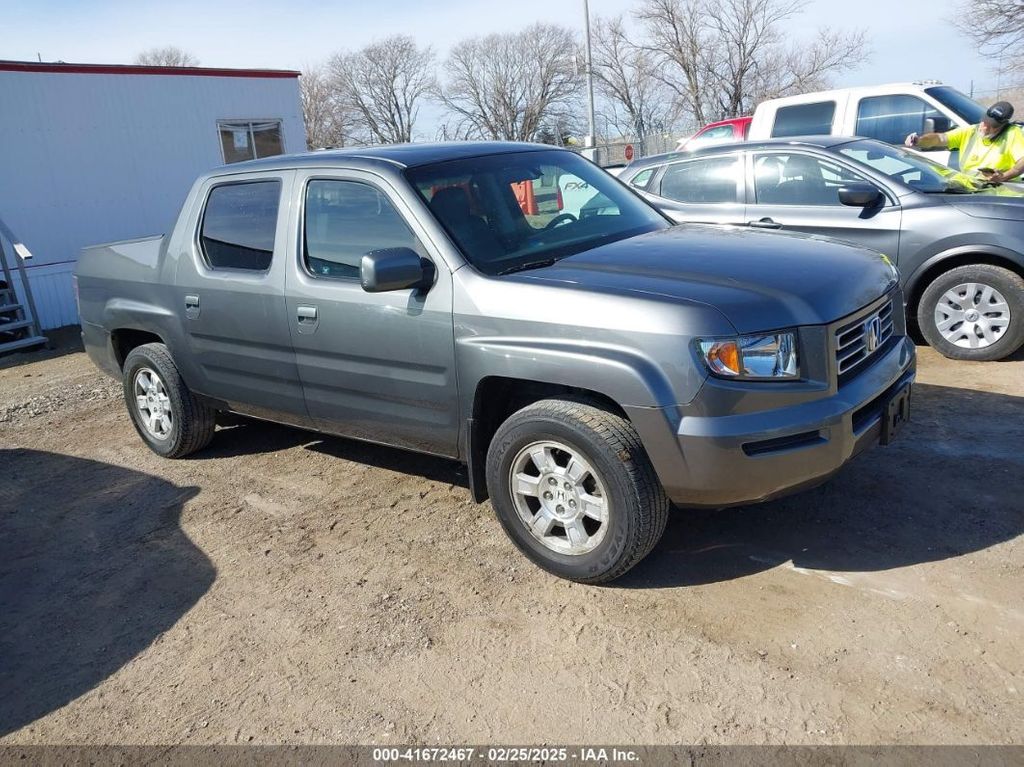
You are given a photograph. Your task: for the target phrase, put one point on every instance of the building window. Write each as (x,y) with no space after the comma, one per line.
(250,140)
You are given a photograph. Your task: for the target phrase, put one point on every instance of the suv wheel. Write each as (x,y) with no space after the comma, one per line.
(165,413)
(575,491)
(974,312)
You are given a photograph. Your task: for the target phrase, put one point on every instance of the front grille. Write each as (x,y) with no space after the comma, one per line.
(859,340)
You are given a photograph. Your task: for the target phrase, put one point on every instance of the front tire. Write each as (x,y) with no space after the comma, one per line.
(575,491)
(973,312)
(165,413)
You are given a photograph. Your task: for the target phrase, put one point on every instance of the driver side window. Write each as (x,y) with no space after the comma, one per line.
(799,179)
(891,118)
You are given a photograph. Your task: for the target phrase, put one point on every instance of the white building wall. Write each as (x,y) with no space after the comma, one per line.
(92,158)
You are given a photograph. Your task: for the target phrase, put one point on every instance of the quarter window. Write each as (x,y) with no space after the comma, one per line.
(250,140)
(711,180)
(239,225)
(642,179)
(892,118)
(805,119)
(344,220)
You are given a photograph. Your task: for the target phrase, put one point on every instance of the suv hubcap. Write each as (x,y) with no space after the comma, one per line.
(152,403)
(972,315)
(559,497)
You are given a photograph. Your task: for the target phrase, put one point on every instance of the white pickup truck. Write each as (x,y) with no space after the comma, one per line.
(885,112)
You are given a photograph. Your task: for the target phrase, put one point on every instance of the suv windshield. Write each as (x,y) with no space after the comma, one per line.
(520,210)
(910,168)
(969,109)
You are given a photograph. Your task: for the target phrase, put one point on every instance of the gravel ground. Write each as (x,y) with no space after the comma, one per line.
(283,587)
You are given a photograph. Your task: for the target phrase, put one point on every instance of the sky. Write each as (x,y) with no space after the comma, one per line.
(910,39)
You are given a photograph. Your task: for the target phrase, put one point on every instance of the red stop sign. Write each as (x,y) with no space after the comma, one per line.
(629,153)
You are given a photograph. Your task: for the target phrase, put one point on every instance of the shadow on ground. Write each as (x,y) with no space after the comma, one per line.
(238,435)
(952,484)
(86,584)
(61,341)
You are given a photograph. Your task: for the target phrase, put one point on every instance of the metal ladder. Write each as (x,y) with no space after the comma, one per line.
(19,326)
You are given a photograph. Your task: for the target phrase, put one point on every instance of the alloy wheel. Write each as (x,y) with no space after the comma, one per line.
(559,497)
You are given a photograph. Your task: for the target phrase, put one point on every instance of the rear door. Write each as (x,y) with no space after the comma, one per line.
(798,191)
(702,190)
(229,288)
(375,366)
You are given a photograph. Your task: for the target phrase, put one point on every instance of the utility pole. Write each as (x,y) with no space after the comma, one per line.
(592,140)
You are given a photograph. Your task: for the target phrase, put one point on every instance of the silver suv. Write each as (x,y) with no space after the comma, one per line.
(515,308)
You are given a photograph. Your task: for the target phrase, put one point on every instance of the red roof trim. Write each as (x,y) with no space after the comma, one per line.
(132,69)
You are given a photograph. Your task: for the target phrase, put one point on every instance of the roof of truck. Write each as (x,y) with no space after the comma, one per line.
(401,155)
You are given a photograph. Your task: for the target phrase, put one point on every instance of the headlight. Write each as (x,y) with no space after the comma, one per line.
(770,356)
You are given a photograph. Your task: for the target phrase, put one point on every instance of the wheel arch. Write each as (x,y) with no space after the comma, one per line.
(497,397)
(123,340)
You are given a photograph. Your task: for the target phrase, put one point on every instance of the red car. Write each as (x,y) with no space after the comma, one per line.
(721,132)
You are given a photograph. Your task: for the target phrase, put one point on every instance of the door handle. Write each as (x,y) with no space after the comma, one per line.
(765,223)
(192,307)
(308,318)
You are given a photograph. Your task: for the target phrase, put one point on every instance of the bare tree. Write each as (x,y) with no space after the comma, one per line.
(383,86)
(634,99)
(168,56)
(997,26)
(327,119)
(509,86)
(721,59)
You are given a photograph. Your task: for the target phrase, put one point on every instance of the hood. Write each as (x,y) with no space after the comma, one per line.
(758,280)
(1002,202)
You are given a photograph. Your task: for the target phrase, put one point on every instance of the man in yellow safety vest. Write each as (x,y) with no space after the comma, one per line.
(993,148)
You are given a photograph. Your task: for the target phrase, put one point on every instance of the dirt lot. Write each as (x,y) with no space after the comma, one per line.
(283,587)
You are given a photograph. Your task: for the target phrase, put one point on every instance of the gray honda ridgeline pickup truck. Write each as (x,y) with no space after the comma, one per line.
(516,308)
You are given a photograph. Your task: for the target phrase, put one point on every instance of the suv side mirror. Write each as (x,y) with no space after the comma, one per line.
(394,269)
(859,195)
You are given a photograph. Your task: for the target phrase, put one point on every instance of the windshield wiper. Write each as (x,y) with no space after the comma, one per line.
(540,262)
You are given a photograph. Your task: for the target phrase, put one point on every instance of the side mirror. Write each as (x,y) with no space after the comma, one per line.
(394,269)
(859,195)
(936,124)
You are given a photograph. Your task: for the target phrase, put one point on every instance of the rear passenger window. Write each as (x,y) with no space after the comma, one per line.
(239,224)
(714,180)
(344,220)
(804,119)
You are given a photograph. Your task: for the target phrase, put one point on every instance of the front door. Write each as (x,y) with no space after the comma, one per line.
(376,366)
(797,191)
(229,287)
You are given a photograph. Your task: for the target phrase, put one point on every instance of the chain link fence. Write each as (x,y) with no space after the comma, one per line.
(607,155)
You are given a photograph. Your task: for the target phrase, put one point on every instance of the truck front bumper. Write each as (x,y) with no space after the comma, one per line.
(727,460)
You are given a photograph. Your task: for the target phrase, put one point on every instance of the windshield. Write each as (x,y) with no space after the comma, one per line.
(911,169)
(960,103)
(519,210)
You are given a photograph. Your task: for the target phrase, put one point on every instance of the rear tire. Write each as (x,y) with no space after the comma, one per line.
(575,491)
(973,312)
(165,413)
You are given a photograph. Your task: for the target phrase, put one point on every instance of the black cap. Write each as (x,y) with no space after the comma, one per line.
(999,114)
